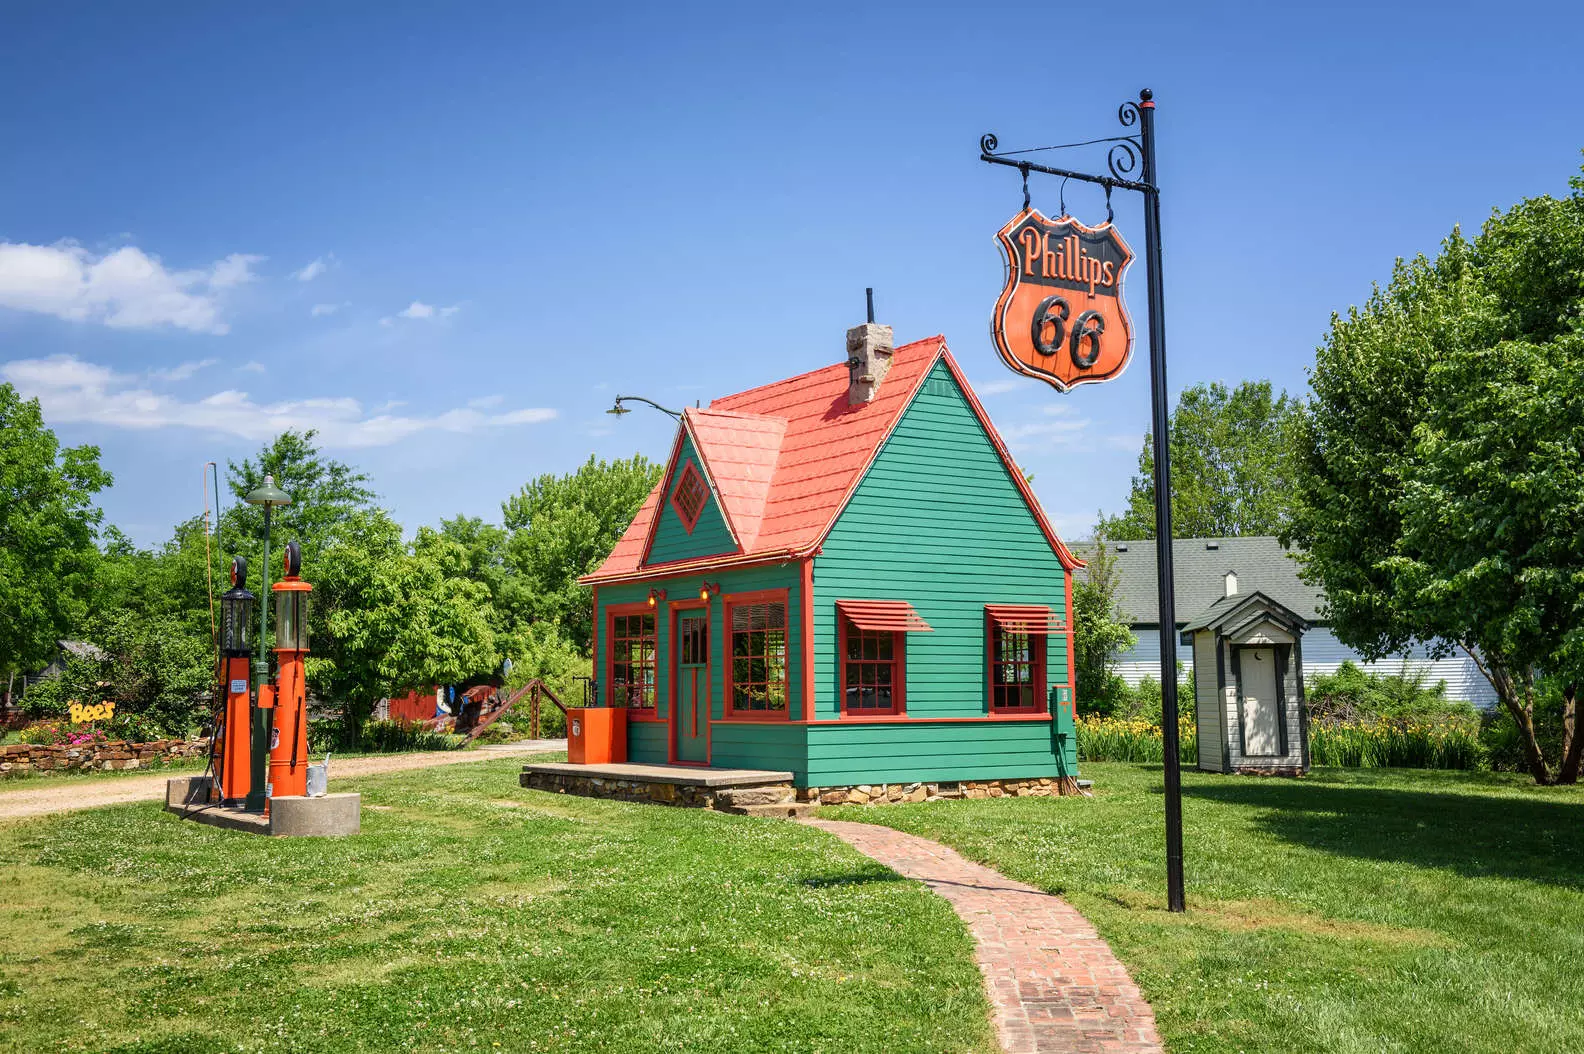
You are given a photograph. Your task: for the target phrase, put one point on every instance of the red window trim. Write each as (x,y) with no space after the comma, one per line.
(1038,675)
(638,713)
(898,664)
(734,600)
(690,473)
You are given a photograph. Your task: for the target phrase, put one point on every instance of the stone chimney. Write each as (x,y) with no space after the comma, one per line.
(869,350)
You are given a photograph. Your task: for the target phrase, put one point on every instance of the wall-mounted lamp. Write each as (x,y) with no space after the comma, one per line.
(655,596)
(618,409)
(708,590)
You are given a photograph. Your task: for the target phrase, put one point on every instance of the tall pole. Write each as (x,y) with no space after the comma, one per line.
(1166,597)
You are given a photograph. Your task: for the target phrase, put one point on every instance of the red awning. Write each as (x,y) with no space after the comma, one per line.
(882,616)
(1034,619)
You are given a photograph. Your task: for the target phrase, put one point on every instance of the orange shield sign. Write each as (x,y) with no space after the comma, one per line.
(1060,317)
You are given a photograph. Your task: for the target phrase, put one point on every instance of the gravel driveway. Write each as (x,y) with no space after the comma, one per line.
(68,795)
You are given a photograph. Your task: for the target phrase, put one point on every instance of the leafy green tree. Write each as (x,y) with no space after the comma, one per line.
(1441,461)
(471,548)
(47,529)
(1231,466)
(1099,632)
(397,618)
(153,670)
(325,494)
(561,527)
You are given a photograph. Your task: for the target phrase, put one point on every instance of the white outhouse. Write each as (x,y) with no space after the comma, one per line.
(1248,685)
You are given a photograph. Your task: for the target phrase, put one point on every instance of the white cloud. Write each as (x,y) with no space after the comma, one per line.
(251,367)
(320,310)
(420,310)
(311,271)
(1060,427)
(181,371)
(235,269)
(125,288)
(1000,387)
(484,402)
(72,390)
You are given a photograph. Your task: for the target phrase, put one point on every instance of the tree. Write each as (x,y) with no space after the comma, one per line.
(1441,461)
(47,529)
(396,618)
(1231,466)
(473,549)
(1099,632)
(325,494)
(562,527)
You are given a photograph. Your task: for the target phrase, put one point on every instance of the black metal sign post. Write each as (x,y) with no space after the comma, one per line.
(1126,153)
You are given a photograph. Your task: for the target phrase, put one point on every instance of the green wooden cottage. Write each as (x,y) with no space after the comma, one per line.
(844,575)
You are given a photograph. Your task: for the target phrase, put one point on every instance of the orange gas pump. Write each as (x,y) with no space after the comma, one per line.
(236,607)
(288,762)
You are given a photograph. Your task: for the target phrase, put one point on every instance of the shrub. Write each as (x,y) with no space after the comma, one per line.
(1352,694)
(377,737)
(1502,741)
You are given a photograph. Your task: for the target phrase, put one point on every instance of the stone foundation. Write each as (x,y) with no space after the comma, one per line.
(687,796)
(760,797)
(896,793)
(18,759)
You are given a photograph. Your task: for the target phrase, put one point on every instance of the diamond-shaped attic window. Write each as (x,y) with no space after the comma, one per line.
(689,496)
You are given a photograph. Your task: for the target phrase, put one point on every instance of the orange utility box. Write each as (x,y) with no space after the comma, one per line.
(596,735)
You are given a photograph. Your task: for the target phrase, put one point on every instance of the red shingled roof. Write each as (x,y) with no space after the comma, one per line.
(784,458)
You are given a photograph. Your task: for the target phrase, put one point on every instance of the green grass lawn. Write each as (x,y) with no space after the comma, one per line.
(1351,911)
(472,915)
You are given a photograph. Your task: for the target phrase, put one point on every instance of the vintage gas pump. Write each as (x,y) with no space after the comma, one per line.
(236,616)
(289,745)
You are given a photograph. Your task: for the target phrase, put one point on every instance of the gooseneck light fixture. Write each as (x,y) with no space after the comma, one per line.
(618,409)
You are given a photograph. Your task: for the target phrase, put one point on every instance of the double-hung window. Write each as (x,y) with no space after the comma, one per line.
(873,648)
(758,685)
(631,642)
(1017,636)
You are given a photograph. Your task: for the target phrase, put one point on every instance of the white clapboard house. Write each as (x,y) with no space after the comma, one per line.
(1261,565)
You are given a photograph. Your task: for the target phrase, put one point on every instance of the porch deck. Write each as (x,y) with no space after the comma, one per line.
(751,791)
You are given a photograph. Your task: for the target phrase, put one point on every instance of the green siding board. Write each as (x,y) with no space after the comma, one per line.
(937,521)
(646,742)
(922,752)
(710,535)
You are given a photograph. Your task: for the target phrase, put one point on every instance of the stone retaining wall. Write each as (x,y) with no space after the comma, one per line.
(20,758)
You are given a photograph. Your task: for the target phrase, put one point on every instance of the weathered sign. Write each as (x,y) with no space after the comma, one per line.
(1061,317)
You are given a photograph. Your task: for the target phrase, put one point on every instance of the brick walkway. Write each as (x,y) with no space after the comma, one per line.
(1053,983)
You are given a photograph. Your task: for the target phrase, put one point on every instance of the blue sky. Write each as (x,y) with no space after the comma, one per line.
(447,235)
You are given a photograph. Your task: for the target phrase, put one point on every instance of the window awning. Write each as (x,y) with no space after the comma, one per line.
(883,616)
(1034,619)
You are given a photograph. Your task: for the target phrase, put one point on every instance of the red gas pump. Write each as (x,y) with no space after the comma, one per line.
(288,765)
(236,607)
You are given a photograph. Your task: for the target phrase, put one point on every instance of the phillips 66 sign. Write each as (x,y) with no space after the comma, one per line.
(1060,317)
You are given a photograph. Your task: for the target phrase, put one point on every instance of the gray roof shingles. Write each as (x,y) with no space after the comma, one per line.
(1260,562)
